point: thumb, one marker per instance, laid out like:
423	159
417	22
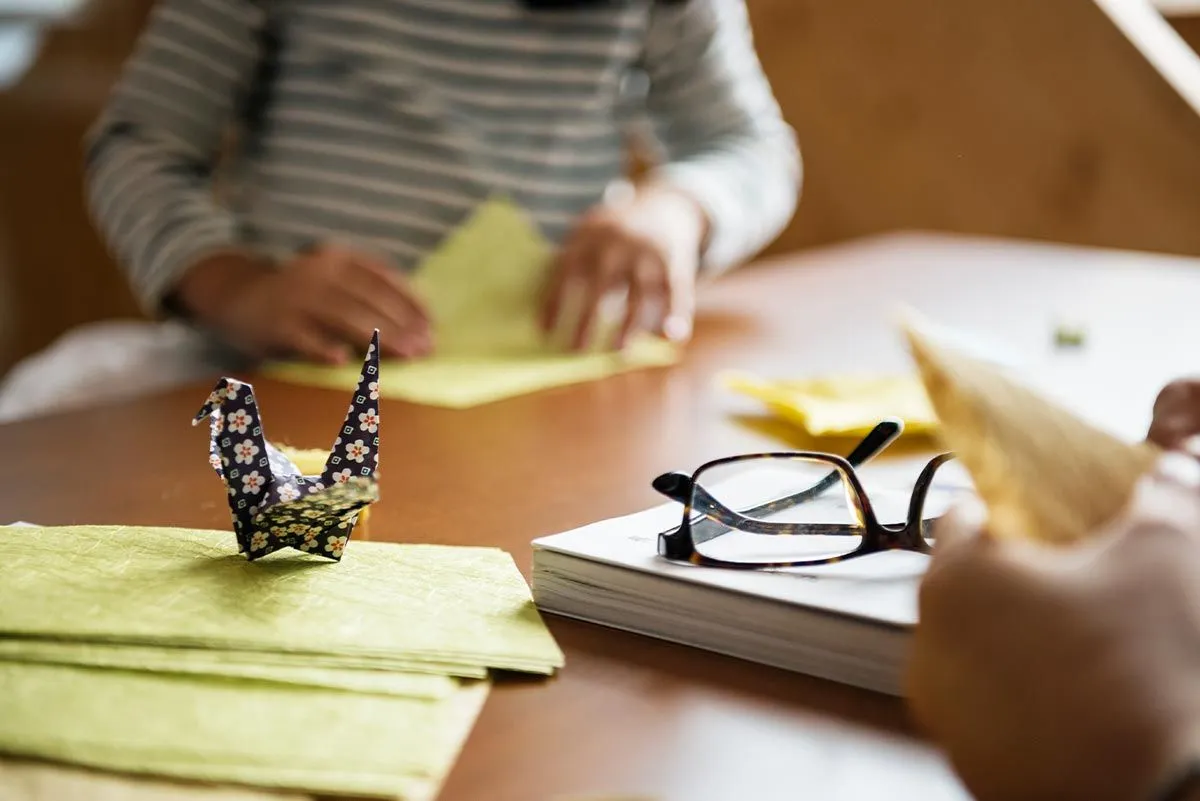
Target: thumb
957	529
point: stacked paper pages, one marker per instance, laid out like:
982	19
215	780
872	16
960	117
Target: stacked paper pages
846	622
164	652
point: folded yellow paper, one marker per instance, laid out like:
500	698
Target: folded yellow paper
841	405
1041	472
483	288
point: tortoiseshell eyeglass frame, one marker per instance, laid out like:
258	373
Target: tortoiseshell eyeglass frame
705	518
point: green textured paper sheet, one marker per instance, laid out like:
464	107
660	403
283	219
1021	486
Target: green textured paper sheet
35	780
180	587
483	287
193	661
15	648
242	732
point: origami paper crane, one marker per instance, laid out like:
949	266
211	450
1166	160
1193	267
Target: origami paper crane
272	504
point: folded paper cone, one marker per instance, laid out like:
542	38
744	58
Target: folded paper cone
310	463
1041	472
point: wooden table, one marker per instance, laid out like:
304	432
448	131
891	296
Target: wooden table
628	714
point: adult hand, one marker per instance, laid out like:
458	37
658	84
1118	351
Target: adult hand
647	245
1176	414
317	307
1055	674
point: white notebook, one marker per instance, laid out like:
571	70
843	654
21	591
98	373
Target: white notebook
847	622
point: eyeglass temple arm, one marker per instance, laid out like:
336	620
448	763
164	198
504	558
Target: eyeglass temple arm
721	520
921	490
871	445
880	437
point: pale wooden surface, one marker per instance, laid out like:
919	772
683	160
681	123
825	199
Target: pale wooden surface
628	714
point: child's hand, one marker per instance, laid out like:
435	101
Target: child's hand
647	246
316	307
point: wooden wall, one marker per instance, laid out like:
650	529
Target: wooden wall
1026	118
53	267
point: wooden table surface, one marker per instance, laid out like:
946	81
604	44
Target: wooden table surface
628	714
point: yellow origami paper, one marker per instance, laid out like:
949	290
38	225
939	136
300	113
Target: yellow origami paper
842	405
482	287
383	604
239	732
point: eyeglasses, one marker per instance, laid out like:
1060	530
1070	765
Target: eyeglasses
795	509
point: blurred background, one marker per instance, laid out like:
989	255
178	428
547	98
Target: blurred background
1075	121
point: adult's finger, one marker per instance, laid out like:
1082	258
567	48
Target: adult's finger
959	537
1165	506
1176	413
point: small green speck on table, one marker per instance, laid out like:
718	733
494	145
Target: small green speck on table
1069	336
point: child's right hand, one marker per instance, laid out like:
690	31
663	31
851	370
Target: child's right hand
316	307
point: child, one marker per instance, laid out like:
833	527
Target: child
367	130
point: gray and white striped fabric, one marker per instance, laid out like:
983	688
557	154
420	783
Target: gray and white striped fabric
387	121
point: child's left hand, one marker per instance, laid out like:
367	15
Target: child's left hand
647	246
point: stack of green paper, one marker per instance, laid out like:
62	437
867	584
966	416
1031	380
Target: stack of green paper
483	288
163	651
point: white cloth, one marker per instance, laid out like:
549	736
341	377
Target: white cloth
107	362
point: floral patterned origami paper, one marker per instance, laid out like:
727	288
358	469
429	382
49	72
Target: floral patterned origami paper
272	504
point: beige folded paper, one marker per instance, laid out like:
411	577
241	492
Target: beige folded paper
1041	472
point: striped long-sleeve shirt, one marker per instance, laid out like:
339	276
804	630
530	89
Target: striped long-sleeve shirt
385	122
